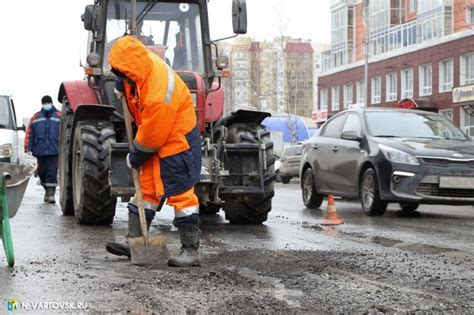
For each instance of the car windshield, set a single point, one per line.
(169, 29)
(295, 150)
(405, 124)
(5, 116)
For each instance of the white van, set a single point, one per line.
(8, 131)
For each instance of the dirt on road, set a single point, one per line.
(289, 265)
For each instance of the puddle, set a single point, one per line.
(315, 227)
(275, 285)
(411, 247)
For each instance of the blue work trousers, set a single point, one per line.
(48, 170)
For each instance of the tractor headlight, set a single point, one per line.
(195, 99)
(222, 62)
(6, 150)
(93, 59)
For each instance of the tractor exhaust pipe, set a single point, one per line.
(133, 17)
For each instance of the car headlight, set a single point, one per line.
(398, 156)
(6, 150)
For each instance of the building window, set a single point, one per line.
(412, 7)
(335, 98)
(470, 14)
(448, 113)
(407, 83)
(347, 95)
(391, 87)
(376, 90)
(467, 69)
(323, 99)
(427, 5)
(360, 92)
(467, 123)
(425, 79)
(445, 75)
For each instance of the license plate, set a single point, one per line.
(456, 182)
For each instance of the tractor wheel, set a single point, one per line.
(247, 209)
(93, 204)
(65, 178)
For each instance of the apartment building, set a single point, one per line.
(276, 76)
(419, 51)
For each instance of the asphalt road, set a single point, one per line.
(291, 264)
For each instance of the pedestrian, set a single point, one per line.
(42, 140)
(167, 144)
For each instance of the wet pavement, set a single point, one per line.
(291, 264)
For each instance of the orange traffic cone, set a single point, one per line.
(331, 214)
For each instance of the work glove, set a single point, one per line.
(136, 157)
(118, 93)
(128, 161)
(118, 87)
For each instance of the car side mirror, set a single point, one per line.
(239, 16)
(351, 135)
(22, 128)
(91, 17)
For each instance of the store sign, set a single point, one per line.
(463, 94)
(356, 105)
(406, 103)
(320, 115)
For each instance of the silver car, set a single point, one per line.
(290, 163)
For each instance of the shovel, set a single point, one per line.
(145, 250)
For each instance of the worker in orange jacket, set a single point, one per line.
(167, 145)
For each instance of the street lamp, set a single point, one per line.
(366, 47)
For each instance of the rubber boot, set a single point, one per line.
(189, 256)
(45, 198)
(49, 196)
(134, 230)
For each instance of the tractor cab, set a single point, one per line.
(178, 32)
(170, 30)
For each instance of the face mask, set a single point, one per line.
(47, 107)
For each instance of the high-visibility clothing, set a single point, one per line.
(42, 134)
(167, 145)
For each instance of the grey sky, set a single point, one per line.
(42, 41)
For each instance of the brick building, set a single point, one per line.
(276, 76)
(417, 49)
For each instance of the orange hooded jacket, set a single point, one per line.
(163, 109)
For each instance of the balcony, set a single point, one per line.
(430, 24)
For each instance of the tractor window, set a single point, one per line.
(171, 30)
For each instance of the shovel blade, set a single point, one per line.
(156, 254)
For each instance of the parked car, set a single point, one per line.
(290, 163)
(8, 131)
(388, 155)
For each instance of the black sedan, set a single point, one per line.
(381, 155)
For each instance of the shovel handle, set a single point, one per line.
(136, 181)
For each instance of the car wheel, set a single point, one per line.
(285, 179)
(408, 206)
(311, 198)
(372, 205)
(277, 176)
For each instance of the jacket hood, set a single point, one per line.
(129, 56)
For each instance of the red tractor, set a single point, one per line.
(238, 164)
